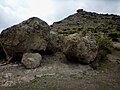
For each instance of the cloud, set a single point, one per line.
(63, 8)
(42, 9)
(15, 11)
(103, 6)
(7, 16)
(10, 13)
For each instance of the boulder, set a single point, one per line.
(55, 42)
(80, 48)
(29, 36)
(80, 10)
(31, 60)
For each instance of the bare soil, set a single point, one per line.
(55, 73)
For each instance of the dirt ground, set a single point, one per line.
(55, 73)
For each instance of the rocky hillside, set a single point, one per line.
(62, 55)
(73, 36)
(89, 21)
(34, 36)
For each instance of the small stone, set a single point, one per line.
(118, 61)
(27, 78)
(38, 76)
(2, 81)
(9, 83)
(7, 75)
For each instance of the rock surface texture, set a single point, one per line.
(55, 42)
(77, 48)
(31, 60)
(29, 36)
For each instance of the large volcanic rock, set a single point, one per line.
(80, 48)
(29, 36)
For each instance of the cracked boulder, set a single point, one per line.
(80, 48)
(29, 36)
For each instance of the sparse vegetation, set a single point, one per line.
(104, 43)
(105, 46)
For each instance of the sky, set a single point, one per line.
(15, 11)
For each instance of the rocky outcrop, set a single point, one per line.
(31, 60)
(79, 48)
(29, 36)
(36, 36)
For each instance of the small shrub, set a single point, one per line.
(105, 47)
(105, 43)
(72, 32)
(80, 29)
(114, 37)
(101, 56)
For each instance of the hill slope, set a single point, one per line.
(88, 21)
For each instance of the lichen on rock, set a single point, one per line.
(29, 36)
(77, 48)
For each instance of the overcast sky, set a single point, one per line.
(15, 11)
